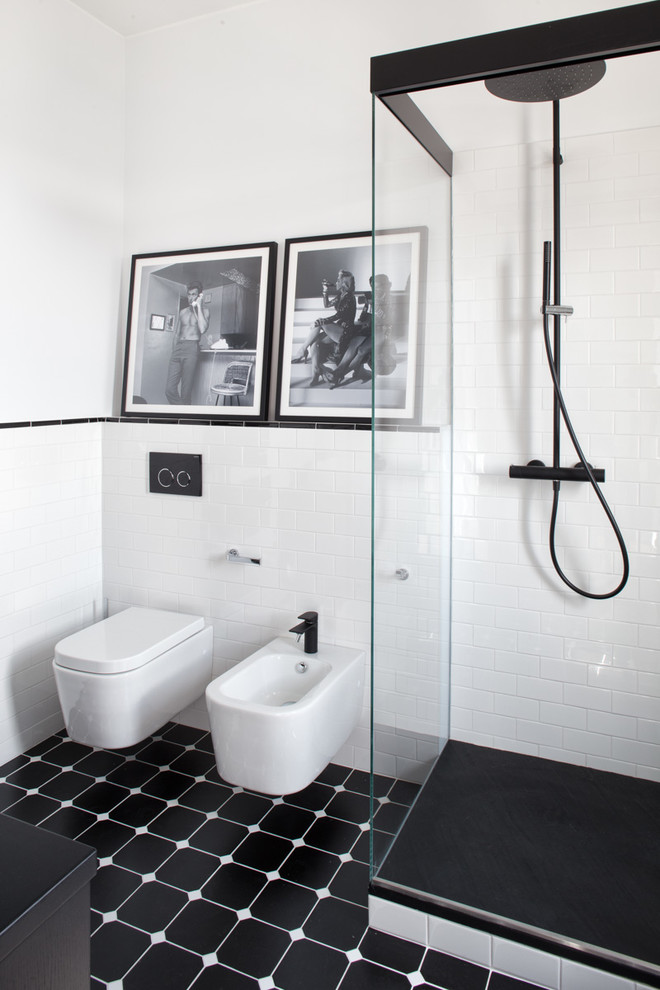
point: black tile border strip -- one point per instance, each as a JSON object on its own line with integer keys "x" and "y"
{"x": 51, "y": 422}
{"x": 185, "y": 422}
{"x": 266, "y": 424}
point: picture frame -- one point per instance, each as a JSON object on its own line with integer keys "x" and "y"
{"x": 328, "y": 376}
{"x": 199, "y": 331}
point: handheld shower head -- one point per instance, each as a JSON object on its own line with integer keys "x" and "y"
{"x": 547, "y": 246}
{"x": 543, "y": 85}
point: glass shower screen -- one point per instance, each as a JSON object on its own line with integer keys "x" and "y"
{"x": 411, "y": 368}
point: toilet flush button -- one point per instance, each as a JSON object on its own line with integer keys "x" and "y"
{"x": 165, "y": 478}
{"x": 175, "y": 473}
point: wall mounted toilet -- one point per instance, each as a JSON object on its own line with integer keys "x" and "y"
{"x": 280, "y": 716}
{"x": 122, "y": 678}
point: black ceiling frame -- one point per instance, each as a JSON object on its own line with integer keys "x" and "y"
{"x": 607, "y": 34}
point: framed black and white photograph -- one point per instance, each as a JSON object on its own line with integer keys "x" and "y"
{"x": 199, "y": 333}
{"x": 325, "y": 367}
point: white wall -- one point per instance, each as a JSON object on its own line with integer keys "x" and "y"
{"x": 50, "y": 567}
{"x": 297, "y": 499}
{"x": 282, "y": 91}
{"x": 255, "y": 124}
{"x": 536, "y": 668}
{"x": 61, "y": 186}
{"x": 61, "y": 190}
{"x": 278, "y": 96}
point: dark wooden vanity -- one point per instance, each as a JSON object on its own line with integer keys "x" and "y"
{"x": 44, "y": 908}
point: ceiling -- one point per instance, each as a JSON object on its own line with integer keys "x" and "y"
{"x": 129, "y": 17}
{"x": 457, "y": 110}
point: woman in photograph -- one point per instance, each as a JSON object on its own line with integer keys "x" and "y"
{"x": 358, "y": 353}
{"x": 330, "y": 335}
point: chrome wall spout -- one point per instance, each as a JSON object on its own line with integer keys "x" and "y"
{"x": 234, "y": 557}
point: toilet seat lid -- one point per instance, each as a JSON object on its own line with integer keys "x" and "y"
{"x": 126, "y": 640}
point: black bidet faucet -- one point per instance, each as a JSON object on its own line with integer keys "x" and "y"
{"x": 309, "y": 628}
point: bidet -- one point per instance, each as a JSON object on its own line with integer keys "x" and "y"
{"x": 280, "y": 716}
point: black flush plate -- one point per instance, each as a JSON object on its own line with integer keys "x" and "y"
{"x": 175, "y": 474}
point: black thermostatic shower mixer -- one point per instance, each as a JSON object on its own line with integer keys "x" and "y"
{"x": 539, "y": 471}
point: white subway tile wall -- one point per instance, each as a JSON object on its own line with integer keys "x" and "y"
{"x": 535, "y": 668}
{"x": 82, "y": 533}
{"x": 298, "y": 499}
{"x": 50, "y": 567}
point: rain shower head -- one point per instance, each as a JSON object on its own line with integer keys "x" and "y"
{"x": 547, "y": 84}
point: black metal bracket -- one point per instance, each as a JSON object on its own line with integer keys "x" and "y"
{"x": 628, "y": 30}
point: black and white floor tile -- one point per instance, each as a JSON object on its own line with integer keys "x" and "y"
{"x": 204, "y": 886}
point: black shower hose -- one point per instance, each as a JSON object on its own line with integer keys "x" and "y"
{"x": 592, "y": 480}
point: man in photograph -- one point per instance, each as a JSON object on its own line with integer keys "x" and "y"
{"x": 193, "y": 322}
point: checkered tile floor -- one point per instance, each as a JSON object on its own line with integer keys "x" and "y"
{"x": 204, "y": 886}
